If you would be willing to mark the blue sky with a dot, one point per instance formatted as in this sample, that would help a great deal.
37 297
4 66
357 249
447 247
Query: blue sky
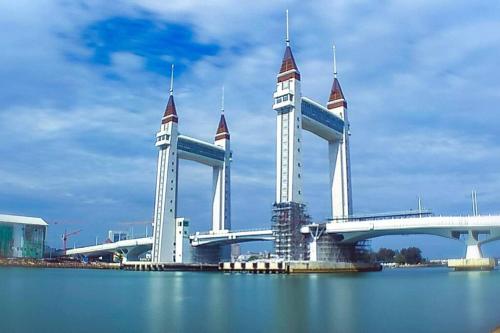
84 85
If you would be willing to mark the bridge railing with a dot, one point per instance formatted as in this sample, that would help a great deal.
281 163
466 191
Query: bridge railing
225 232
105 242
384 216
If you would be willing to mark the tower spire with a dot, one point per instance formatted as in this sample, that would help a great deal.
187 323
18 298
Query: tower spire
172 80
334 62
288 68
222 130
336 95
222 101
170 111
287 40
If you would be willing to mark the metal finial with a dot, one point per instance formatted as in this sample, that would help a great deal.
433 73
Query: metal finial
172 80
475 210
287 33
334 61
222 101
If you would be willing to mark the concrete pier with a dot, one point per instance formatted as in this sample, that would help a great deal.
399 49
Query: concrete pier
178 267
474 264
332 267
290 267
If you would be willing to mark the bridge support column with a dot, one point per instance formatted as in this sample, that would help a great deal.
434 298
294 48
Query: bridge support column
473 247
211 254
313 250
473 252
474 259
315 234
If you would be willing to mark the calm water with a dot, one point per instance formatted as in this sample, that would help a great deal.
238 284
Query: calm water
411 300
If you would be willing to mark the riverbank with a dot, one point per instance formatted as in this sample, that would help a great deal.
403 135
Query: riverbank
425 265
55 263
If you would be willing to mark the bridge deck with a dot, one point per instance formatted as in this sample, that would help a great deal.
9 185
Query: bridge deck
445 226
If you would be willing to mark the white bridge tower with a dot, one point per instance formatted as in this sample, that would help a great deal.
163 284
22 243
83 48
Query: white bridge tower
166 184
287 104
167 226
338 151
294 114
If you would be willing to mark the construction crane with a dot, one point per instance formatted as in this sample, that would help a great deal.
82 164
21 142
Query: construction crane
66 235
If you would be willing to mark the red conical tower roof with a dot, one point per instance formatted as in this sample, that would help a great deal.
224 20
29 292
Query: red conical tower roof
170 111
336 96
288 68
222 130
288 62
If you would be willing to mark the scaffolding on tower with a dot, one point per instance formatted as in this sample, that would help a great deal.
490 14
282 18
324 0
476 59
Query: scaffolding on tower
287 219
329 249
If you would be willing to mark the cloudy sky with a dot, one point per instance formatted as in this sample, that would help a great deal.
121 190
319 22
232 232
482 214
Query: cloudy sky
84 85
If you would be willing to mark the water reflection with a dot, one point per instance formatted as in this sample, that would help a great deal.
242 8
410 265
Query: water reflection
419 300
165 301
474 301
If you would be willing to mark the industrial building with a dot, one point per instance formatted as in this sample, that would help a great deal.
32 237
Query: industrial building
22 236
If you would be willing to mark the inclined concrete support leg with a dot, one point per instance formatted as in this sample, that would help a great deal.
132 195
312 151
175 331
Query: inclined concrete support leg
473 252
313 245
473 247
313 250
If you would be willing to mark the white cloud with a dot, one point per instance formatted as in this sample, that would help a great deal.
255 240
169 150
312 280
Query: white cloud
422 94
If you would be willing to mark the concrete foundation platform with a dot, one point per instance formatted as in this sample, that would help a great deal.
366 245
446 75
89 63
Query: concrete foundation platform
291 267
331 267
178 267
482 264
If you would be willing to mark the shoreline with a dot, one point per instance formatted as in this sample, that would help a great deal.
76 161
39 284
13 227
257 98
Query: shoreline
37 263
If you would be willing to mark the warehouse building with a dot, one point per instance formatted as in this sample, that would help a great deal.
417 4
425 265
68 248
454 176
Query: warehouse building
22 236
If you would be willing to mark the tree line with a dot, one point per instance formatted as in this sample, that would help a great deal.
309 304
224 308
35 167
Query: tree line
409 256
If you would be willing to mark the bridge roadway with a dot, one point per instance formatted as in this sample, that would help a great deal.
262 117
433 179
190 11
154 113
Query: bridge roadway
225 237
132 248
474 230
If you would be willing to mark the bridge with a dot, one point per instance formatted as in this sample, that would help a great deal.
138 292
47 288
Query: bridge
226 237
172 243
131 249
473 230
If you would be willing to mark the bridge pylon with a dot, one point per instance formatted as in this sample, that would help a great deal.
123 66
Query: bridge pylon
168 246
295 113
